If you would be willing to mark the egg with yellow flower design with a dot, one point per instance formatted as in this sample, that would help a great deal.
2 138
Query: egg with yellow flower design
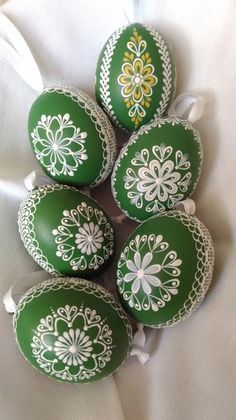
135 77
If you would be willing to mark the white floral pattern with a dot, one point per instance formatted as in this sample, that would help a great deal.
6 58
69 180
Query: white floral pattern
142 274
139 281
72 343
59 145
73 347
84 237
161 179
89 239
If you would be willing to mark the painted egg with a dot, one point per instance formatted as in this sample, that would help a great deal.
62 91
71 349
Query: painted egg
165 269
65 231
158 167
135 76
71 137
72 330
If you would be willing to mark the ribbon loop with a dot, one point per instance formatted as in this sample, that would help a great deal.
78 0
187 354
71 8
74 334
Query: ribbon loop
188 206
132 11
138 344
16 51
13 295
187 106
35 180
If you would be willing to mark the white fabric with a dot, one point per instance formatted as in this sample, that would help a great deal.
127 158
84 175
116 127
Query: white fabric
15 49
192 373
187 106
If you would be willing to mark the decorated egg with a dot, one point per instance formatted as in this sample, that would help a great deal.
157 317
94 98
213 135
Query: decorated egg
71 137
72 330
65 231
135 76
158 167
165 269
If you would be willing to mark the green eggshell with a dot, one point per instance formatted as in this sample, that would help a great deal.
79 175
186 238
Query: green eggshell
72 330
71 137
165 269
65 231
158 167
135 76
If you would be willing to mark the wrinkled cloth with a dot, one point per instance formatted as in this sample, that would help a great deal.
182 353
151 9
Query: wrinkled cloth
192 371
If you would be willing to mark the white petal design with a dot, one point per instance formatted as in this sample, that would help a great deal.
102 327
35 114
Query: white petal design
160 181
59 144
143 284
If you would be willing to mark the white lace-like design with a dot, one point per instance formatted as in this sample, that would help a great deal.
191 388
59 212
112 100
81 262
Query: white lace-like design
164 179
87 230
89 239
76 353
76 285
73 347
54 139
147 291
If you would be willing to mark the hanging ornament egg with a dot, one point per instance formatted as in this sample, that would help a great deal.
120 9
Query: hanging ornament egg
165 269
65 231
159 166
135 76
72 330
71 137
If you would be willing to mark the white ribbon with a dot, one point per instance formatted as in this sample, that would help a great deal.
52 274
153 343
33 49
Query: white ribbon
138 345
187 106
13 295
35 180
188 206
119 219
16 51
132 11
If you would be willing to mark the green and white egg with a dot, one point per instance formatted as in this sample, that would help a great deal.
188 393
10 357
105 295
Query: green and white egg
165 269
71 137
66 231
72 330
158 167
135 76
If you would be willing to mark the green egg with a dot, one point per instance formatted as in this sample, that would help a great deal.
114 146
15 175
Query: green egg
71 137
72 330
66 231
158 167
135 76
165 269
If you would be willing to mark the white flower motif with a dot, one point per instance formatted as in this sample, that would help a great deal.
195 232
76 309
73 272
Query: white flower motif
89 239
158 181
73 347
145 286
158 178
142 273
76 337
59 145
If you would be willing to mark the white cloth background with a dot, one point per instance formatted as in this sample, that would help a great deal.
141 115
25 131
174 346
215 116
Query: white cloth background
192 373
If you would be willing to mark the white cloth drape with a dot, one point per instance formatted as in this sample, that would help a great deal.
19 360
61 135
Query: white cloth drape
192 373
